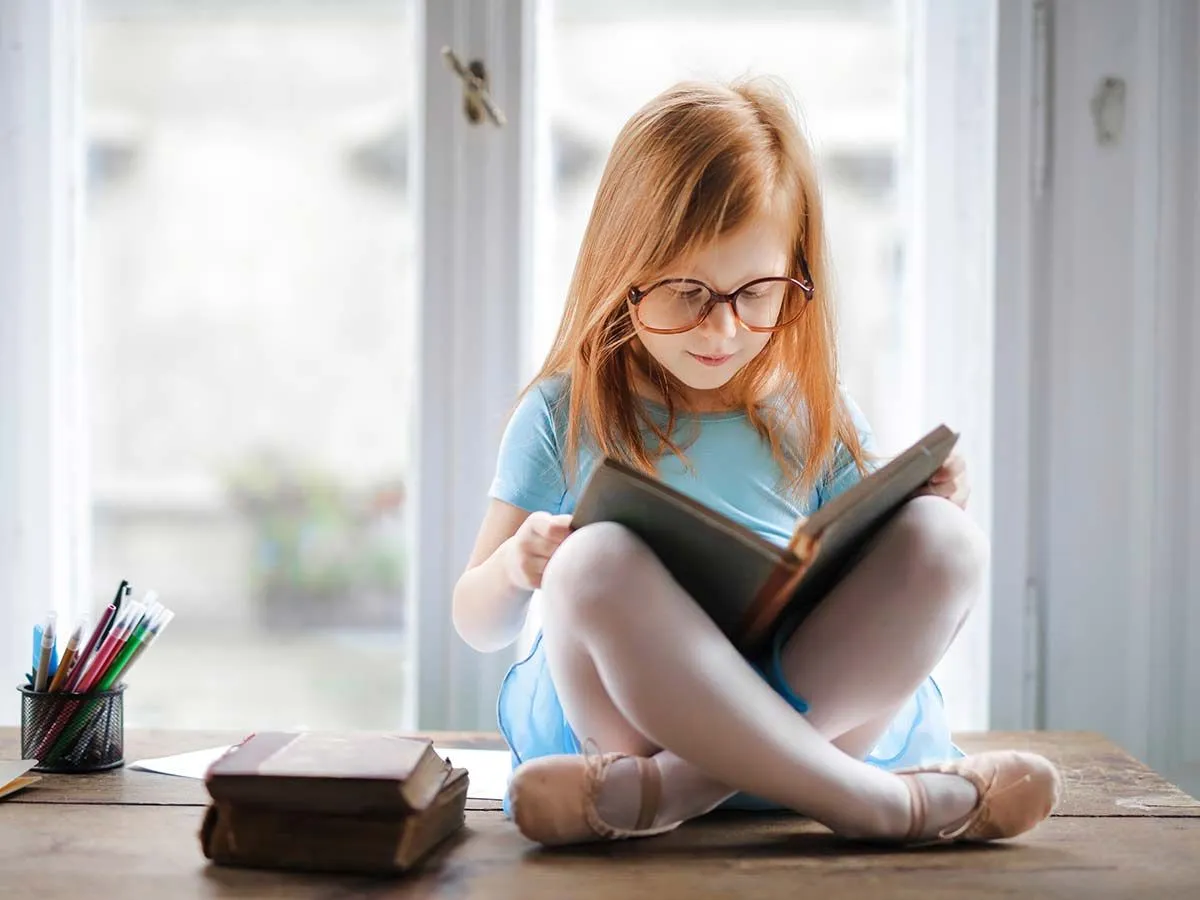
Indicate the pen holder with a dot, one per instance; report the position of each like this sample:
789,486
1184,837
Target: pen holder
73,732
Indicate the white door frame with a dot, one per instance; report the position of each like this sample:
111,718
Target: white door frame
44,513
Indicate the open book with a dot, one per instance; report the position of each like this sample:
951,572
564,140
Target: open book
743,581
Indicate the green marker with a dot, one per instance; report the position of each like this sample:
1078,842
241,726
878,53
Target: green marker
122,659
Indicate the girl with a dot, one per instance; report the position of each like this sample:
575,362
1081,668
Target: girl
697,343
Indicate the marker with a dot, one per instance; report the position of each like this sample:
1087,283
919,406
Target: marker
157,629
85,656
112,644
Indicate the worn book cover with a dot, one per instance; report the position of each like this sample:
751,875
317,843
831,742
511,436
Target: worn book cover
743,581
258,837
350,773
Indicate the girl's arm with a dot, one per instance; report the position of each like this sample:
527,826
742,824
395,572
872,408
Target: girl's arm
491,598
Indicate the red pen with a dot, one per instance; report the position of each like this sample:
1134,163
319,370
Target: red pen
109,649
85,656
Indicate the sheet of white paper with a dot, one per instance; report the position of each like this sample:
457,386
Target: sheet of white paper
12,769
489,770
185,765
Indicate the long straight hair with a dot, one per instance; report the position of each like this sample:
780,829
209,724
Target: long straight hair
694,163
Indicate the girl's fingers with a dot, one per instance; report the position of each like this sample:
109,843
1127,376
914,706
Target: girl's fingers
943,489
554,527
540,546
961,495
952,468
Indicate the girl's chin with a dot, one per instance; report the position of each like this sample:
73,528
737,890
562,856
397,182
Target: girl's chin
704,378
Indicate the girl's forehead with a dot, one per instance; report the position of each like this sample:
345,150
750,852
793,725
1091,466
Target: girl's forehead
758,248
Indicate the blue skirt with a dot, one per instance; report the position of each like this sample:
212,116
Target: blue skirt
533,723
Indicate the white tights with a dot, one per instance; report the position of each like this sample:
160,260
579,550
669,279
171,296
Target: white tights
642,670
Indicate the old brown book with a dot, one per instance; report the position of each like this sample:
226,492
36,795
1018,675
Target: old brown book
349,773
744,582
256,837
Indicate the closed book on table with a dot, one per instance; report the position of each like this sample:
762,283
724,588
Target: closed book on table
258,837
362,773
744,582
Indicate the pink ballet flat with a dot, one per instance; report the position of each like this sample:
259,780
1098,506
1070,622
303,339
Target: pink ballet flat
553,799
1017,790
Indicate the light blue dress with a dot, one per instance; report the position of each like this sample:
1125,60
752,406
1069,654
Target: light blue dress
732,471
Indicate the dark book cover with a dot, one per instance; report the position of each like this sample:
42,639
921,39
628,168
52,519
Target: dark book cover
744,582
350,773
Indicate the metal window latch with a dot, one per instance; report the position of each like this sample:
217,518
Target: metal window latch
477,98
1108,110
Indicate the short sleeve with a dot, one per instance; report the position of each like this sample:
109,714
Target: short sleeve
844,473
529,468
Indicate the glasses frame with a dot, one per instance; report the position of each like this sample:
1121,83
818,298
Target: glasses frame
636,295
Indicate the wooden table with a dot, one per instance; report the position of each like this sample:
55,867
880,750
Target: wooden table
1121,831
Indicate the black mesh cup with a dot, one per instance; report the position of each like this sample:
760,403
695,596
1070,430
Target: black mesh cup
73,732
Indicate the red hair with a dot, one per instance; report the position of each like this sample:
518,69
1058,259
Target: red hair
694,163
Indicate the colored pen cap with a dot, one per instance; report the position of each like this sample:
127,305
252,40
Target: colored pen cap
163,622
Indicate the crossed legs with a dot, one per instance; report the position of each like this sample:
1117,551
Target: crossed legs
641,670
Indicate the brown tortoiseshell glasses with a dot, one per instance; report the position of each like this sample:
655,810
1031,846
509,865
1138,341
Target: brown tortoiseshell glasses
676,305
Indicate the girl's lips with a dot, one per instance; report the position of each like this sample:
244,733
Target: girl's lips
711,360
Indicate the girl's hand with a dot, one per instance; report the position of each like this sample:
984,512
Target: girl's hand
532,546
950,481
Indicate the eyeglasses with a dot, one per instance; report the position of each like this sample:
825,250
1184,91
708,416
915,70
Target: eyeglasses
675,305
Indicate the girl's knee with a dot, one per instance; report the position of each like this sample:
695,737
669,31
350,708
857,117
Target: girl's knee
592,568
942,544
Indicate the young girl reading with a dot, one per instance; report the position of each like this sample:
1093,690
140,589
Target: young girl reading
698,344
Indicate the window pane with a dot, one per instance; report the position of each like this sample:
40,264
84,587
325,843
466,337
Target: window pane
249,256
845,63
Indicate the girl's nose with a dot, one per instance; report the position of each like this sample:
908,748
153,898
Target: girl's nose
721,321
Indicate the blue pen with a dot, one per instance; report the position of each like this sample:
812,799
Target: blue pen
41,676
38,631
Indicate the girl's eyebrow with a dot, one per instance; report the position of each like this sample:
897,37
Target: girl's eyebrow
742,282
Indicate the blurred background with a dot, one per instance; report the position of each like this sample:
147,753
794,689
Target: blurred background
250,242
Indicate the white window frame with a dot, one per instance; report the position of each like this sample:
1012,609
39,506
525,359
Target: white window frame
475,209
1022,161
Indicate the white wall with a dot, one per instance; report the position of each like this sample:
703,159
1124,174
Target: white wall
1100,301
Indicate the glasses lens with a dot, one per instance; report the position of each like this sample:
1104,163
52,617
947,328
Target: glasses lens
759,304
676,304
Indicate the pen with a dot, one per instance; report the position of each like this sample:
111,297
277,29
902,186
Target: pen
64,665
117,636
41,678
158,628
122,592
85,655
127,650
102,652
